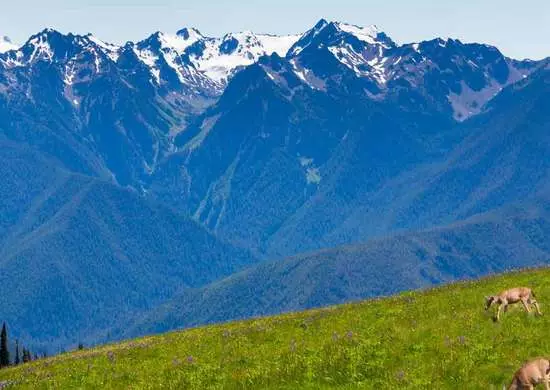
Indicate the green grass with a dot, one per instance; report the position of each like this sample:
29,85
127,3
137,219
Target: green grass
436,339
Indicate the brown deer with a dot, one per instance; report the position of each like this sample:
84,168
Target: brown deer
519,294
531,374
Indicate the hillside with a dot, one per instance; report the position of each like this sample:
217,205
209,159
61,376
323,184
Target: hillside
77,252
441,338
509,238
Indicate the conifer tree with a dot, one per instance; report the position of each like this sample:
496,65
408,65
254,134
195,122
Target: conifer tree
17,360
29,356
4,352
26,355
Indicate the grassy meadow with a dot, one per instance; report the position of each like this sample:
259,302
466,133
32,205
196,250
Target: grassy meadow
438,339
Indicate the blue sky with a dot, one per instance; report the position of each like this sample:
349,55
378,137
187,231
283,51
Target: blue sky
521,29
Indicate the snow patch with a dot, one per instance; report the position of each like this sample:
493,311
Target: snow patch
313,176
69,74
150,59
277,44
355,61
307,76
112,51
41,47
365,34
305,162
218,63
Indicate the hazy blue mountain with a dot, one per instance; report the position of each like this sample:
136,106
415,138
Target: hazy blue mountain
78,253
509,238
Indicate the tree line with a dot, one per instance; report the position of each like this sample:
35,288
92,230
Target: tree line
22,355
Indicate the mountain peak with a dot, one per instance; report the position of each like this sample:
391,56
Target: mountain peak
46,34
178,42
331,34
190,34
53,46
51,36
321,24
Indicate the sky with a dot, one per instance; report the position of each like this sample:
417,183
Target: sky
520,29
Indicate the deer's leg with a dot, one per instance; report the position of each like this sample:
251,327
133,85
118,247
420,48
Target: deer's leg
536,304
500,307
525,305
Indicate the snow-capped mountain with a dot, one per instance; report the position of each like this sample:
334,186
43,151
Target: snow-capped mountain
153,93
207,62
6,44
164,56
459,77
463,76
187,59
54,47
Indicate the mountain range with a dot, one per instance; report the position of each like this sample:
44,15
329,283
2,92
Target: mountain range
501,240
141,177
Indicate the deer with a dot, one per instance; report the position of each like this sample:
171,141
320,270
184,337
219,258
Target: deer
532,373
519,294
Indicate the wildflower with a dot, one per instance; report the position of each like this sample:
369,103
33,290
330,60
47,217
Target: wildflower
5,384
400,375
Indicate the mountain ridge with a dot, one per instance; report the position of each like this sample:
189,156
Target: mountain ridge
482,245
